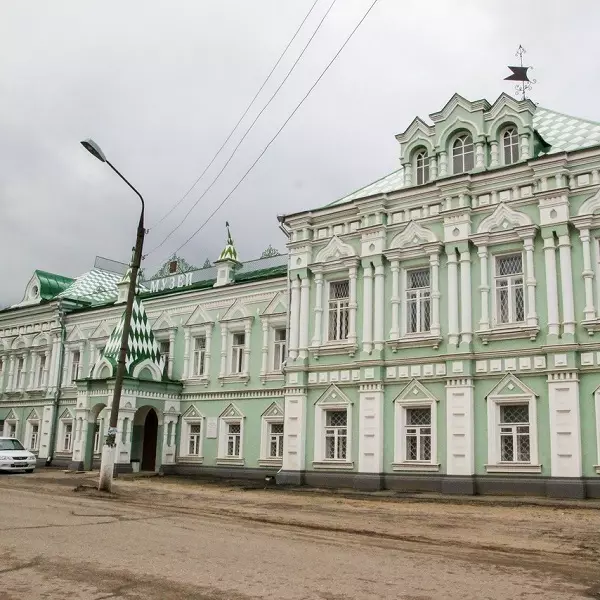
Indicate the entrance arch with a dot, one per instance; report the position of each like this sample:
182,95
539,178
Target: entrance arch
144,442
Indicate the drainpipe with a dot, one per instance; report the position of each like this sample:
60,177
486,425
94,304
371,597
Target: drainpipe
63,336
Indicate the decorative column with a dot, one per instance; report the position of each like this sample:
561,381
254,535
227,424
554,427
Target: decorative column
304,315
494,161
265,348
566,281
208,351
452,297
44,382
433,168
24,371
367,307
530,282
171,353
93,349
294,319
589,311
247,334
443,164
379,307
223,370
81,348
484,288
524,154
186,353
395,330
316,341
479,156
407,174
54,375
32,369
352,306
10,384
434,266
466,328
551,285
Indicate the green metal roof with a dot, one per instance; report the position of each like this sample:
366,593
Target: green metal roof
94,287
52,284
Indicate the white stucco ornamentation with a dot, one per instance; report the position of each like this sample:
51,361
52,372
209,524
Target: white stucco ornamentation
413,235
334,250
503,218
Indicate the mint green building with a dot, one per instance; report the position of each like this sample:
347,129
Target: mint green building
436,330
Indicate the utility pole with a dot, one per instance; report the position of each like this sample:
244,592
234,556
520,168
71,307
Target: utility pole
107,464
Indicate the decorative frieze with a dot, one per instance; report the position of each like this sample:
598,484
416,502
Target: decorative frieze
508,364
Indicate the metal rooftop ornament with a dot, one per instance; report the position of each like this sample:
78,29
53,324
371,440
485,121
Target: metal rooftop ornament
519,74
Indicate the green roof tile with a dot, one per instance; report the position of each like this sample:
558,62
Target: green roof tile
52,284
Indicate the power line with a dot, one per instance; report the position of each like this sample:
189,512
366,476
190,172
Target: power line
230,158
314,85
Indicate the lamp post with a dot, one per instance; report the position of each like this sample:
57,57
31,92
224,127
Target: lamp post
108,450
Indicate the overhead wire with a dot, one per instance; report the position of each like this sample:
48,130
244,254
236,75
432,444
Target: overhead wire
250,105
314,85
230,158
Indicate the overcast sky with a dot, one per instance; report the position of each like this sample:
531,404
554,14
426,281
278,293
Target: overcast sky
159,84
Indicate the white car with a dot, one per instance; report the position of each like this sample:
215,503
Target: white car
13,457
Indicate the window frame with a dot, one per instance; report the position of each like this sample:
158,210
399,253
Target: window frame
72,363
9,423
40,375
224,422
266,460
328,285
336,436
458,136
405,303
515,146
423,169
31,423
63,435
281,354
333,400
241,360
20,372
201,352
496,323
188,423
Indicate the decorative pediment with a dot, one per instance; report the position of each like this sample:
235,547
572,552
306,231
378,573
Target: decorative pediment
510,385
198,317
20,342
102,331
333,395
75,335
66,414
413,235
232,411
33,416
457,101
274,410
278,305
192,413
335,250
415,391
237,310
503,219
163,322
11,416
42,339
591,205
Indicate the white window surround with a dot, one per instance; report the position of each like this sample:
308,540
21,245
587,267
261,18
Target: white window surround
421,166
192,417
496,399
71,350
230,416
270,324
414,395
11,426
412,244
462,152
32,436
509,138
229,328
511,290
337,261
273,415
332,400
204,330
65,438
506,226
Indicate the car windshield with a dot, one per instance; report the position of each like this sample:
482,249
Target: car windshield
11,445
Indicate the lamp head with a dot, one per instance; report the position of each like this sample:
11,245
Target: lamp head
94,149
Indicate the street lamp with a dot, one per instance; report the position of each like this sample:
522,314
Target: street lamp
107,464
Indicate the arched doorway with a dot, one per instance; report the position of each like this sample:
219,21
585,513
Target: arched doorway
149,441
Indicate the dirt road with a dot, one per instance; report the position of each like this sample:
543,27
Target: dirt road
172,539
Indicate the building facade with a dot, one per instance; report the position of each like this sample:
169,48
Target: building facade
436,330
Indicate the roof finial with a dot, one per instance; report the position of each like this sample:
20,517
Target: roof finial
229,252
519,74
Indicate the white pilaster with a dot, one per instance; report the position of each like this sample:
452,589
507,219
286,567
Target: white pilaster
316,341
443,164
530,282
26,360
407,174
433,167
187,351
294,318
452,298
81,348
294,437
352,306
524,154
566,280
484,288
32,369
460,427
370,429
479,156
171,353
265,348
434,265
466,329
589,310
565,428
247,344
494,162
395,331
208,351
11,373
304,316
367,308
379,307
224,333
551,285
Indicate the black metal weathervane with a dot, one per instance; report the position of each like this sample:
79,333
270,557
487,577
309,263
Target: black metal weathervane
519,74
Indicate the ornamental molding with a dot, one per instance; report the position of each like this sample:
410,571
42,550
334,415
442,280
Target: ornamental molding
502,219
413,235
182,267
335,250
591,205
238,310
511,382
274,410
164,322
192,413
415,391
231,412
277,307
199,317
333,395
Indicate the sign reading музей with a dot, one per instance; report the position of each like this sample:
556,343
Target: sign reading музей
175,281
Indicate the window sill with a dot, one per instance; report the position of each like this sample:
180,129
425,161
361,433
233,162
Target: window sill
198,380
241,378
333,348
513,468
37,391
270,462
415,341
274,376
415,467
13,393
508,333
333,465
231,461
191,460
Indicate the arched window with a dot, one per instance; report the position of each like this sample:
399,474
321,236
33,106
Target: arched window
510,143
463,158
422,167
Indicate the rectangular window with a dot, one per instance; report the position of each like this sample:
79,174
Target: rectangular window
234,438
417,433
164,349
20,374
237,352
508,284
98,430
336,434
515,441
279,350
11,430
199,356
418,301
339,300
275,440
194,439
75,358
67,436
34,436
40,375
